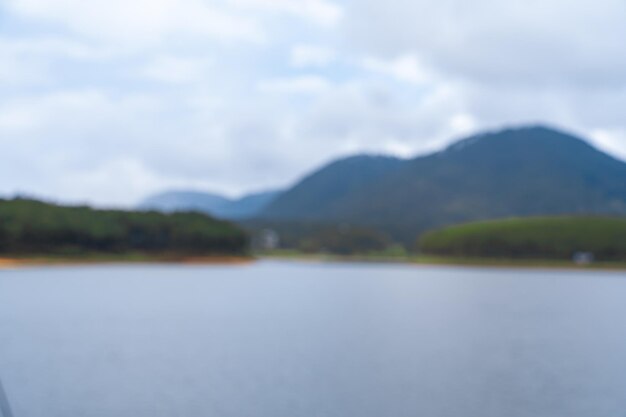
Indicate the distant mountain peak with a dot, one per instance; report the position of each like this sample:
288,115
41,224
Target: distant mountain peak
363,158
214,204
533,132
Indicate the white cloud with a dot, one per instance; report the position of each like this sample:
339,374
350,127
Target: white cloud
57,115
132,175
132,22
322,12
53,46
14,118
16,70
176,70
462,124
308,84
530,43
359,117
404,68
611,140
34,61
311,56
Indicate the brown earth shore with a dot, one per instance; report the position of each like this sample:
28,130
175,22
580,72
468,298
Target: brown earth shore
95,259
8,263
23,261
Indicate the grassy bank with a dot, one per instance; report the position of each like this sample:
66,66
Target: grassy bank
515,263
440,260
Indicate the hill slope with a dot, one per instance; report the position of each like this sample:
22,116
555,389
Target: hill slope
319,195
515,172
213,204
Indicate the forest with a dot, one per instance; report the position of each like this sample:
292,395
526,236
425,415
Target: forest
559,237
29,227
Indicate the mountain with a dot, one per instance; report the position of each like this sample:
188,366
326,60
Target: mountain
317,195
214,204
525,171
170,201
249,205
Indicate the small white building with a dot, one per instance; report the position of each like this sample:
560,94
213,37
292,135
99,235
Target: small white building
268,239
583,258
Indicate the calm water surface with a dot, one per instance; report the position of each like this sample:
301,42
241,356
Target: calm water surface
285,339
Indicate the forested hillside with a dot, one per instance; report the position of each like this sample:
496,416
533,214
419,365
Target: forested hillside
33,227
515,172
320,194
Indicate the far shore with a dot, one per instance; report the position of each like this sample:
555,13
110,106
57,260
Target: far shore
418,260
428,260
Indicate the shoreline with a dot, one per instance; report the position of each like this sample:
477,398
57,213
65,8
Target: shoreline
417,260
433,261
18,262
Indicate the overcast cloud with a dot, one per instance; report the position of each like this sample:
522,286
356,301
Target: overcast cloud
108,101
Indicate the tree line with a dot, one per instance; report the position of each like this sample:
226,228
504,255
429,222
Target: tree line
561,237
34,227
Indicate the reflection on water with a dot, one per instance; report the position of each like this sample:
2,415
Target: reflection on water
294,339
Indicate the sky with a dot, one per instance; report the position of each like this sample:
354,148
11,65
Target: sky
107,101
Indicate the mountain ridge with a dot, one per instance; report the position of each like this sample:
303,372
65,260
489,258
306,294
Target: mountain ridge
330,182
528,170
210,203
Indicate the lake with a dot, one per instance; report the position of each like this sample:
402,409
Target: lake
296,339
